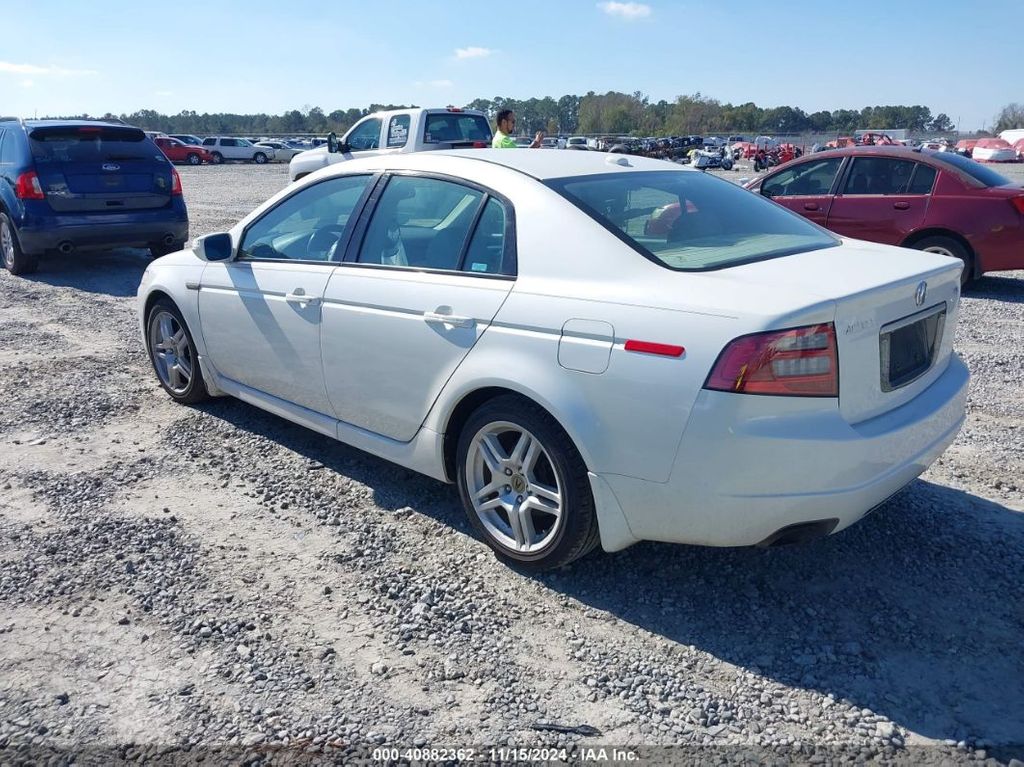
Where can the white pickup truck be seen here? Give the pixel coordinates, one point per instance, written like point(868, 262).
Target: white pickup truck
point(400, 130)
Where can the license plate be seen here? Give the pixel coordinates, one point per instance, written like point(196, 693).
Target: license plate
point(907, 346)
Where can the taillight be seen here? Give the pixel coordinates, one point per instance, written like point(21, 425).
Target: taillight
point(27, 187)
point(479, 145)
point(1018, 203)
point(801, 362)
point(175, 182)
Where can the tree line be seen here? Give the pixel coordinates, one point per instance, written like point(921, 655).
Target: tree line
point(612, 113)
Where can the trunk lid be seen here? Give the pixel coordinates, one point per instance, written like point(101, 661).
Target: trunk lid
point(87, 168)
point(874, 288)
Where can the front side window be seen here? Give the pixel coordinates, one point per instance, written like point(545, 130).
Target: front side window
point(878, 175)
point(812, 178)
point(308, 226)
point(398, 131)
point(366, 135)
point(691, 221)
point(420, 222)
point(209, 142)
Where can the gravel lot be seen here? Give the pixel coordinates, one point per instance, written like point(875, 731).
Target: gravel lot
point(176, 579)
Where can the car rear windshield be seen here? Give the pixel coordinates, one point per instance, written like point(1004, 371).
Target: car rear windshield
point(85, 143)
point(453, 127)
point(691, 221)
point(980, 173)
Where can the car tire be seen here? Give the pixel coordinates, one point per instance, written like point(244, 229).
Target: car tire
point(544, 517)
point(218, 158)
point(172, 352)
point(259, 158)
point(16, 261)
point(194, 159)
point(726, 164)
point(158, 249)
point(947, 246)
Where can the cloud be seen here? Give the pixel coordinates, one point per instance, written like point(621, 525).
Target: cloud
point(627, 11)
point(433, 84)
point(165, 93)
point(9, 67)
point(27, 83)
point(473, 52)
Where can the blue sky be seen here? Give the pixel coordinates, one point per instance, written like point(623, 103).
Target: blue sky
point(61, 57)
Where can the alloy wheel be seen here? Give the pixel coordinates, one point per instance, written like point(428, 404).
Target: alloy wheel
point(171, 351)
point(514, 488)
point(7, 244)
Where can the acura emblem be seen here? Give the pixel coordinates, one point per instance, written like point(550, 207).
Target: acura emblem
point(921, 293)
point(111, 166)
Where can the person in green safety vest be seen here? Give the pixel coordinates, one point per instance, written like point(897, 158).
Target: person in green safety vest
point(506, 127)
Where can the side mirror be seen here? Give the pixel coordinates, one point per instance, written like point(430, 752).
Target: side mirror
point(214, 247)
point(766, 191)
point(332, 143)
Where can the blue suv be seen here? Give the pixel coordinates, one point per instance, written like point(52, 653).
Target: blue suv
point(81, 185)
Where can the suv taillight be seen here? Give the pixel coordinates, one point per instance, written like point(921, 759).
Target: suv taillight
point(800, 362)
point(175, 182)
point(1018, 203)
point(27, 187)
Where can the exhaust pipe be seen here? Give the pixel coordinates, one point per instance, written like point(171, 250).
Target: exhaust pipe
point(66, 247)
point(168, 239)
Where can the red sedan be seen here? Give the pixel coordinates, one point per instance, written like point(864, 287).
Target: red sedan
point(939, 202)
point(178, 151)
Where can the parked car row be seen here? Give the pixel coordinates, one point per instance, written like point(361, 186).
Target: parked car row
point(186, 148)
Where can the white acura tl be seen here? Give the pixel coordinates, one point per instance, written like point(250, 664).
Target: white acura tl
point(595, 348)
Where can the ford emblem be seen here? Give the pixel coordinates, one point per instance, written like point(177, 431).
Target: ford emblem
point(111, 166)
point(921, 293)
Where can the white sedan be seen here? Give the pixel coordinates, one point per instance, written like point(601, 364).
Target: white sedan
point(508, 321)
point(282, 152)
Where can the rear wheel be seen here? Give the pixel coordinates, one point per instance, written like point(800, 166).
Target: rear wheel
point(173, 354)
point(194, 159)
point(15, 259)
point(218, 158)
point(259, 158)
point(947, 246)
point(157, 249)
point(524, 485)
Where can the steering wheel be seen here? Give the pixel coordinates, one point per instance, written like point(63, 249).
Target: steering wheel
point(323, 241)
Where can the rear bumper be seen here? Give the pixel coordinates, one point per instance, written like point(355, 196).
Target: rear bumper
point(42, 233)
point(742, 475)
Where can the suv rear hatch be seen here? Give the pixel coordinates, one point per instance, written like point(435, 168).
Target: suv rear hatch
point(93, 168)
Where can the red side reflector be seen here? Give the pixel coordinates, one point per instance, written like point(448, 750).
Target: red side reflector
point(27, 187)
point(646, 347)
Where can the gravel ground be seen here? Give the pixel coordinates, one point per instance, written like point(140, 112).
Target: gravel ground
point(175, 581)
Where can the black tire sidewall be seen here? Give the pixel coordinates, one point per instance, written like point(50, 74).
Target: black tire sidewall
point(577, 510)
point(22, 262)
point(196, 391)
point(953, 247)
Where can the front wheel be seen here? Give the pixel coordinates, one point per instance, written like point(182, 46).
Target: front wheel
point(726, 164)
point(524, 485)
point(947, 246)
point(15, 259)
point(194, 159)
point(259, 158)
point(173, 354)
point(218, 158)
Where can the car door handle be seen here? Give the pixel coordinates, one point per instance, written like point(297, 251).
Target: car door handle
point(449, 319)
point(810, 206)
point(901, 205)
point(301, 298)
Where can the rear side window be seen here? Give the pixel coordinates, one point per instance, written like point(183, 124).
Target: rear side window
point(7, 140)
point(810, 178)
point(88, 143)
point(879, 175)
point(980, 173)
point(398, 131)
point(487, 252)
point(922, 180)
point(690, 221)
point(447, 127)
